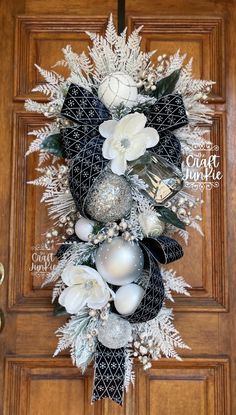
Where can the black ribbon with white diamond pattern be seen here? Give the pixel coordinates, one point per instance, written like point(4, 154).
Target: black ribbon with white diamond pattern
point(83, 147)
point(109, 369)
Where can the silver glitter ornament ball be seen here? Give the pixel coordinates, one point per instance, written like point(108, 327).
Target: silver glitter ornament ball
point(109, 199)
point(115, 333)
point(119, 262)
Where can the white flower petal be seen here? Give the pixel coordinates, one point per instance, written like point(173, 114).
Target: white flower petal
point(119, 165)
point(70, 276)
point(98, 301)
point(136, 150)
point(108, 150)
point(106, 129)
point(73, 299)
point(149, 135)
point(130, 125)
point(76, 274)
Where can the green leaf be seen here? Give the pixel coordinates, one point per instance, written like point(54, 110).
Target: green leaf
point(59, 310)
point(97, 228)
point(166, 85)
point(52, 144)
point(170, 217)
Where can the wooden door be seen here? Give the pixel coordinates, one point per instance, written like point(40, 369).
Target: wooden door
point(33, 382)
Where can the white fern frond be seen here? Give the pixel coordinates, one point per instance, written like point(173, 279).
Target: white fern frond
point(34, 106)
point(173, 283)
point(57, 289)
point(51, 77)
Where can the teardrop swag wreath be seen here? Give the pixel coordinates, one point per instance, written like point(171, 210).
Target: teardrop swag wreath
point(110, 160)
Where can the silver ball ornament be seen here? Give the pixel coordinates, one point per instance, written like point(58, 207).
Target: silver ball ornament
point(109, 199)
point(115, 333)
point(83, 228)
point(119, 262)
point(128, 298)
point(118, 88)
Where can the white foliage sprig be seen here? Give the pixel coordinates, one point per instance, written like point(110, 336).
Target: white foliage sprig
point(74, 336)
point(173, 283)
point(163, 333)
point(41, 134)
point(129, 372)
point(57, 289)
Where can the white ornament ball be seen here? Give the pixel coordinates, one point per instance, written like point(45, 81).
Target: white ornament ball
point(83, 228)
point(128, 298)
point(115, 333)
point(118, 88)
point(151, 224)
point(119, 262)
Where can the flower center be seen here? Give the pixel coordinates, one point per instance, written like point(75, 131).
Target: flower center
point(125, 143)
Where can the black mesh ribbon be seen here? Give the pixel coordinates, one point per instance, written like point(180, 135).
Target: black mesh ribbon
point(154, 294)
point(169, 148)
point(163, 248)
point(109, 369)
point(167, 114)
point(83, 107)
point(84, 169)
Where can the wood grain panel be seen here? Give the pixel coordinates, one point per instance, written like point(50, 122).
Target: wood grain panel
point(40, 386)
point(28, 221)
point(40, 40)
point(193, 387)
point(208, 277)
point(200, 37)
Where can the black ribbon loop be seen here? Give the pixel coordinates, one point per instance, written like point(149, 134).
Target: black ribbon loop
point(164, 249)
point(169, 148)
point(154, 295)
point(83, 107)
point(75, 138)
point(84, 169)
point(168, 113)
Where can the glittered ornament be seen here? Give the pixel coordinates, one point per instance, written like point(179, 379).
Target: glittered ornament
point(127, 299)
point(119, 262)
point(109, 199)
point(115, 333)
point(83, 228)
point(116, 89)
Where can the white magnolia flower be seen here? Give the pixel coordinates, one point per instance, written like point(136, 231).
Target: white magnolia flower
point(126, 140)
point(85, 287)
point(151, 224)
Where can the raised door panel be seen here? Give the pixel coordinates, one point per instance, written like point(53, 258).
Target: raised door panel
point(39, 386)
point(203, 39)
point(192, 387)
point(39, 40)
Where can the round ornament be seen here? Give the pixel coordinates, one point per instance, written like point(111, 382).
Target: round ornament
point(83, 228)
point(128, 298)
point(115, 333)
point(119, 262)
point(109, 199)
point(118, 88)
